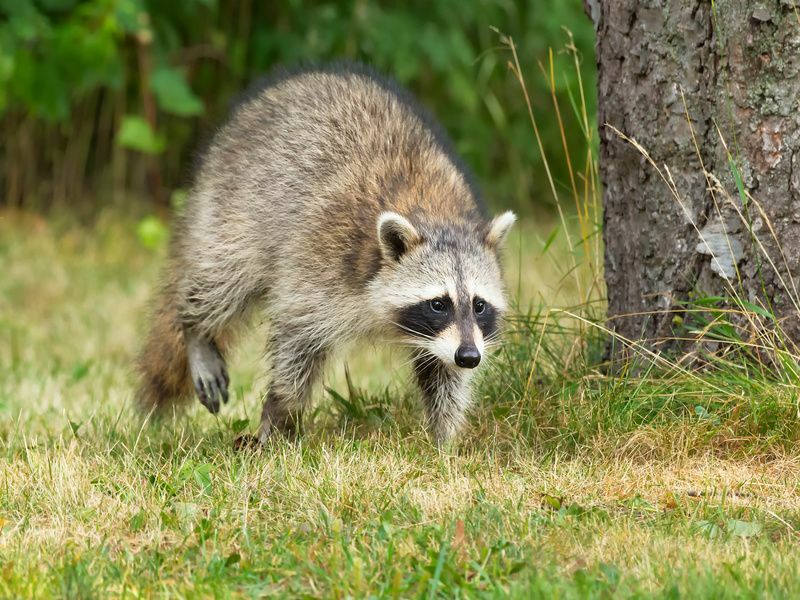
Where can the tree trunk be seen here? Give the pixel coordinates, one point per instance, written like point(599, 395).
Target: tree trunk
point(738, 68)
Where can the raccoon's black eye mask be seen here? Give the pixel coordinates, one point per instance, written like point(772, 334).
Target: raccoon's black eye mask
point(427, 318)
point(430, 317)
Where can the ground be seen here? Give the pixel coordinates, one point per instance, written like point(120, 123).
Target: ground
point(569, 481)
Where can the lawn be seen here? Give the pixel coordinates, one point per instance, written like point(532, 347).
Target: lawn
point(570, 480)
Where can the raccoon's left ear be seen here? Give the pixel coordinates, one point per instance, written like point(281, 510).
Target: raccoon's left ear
point(396, 235)
point(499, 228)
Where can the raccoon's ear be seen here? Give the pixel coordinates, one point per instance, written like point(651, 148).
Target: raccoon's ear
point(396, 235)
point(498, 229)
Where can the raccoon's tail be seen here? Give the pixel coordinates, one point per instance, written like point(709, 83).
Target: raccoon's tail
point(163, 367)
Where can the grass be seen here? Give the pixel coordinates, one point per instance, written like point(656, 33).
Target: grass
point(570, 481)
point(663, 475)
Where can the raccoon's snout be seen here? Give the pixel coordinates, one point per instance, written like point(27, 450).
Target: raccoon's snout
point(467, 356)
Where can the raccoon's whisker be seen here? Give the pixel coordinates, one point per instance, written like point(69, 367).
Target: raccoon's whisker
point(495, 344)
point(412, 332)
point(418, 348)
point(427, 361)
point(409, 330)
point(494, 341)
point(412, 359)
point(492, 337)
point(414, 344)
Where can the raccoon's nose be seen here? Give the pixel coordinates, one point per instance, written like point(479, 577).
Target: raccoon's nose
point(467, 356)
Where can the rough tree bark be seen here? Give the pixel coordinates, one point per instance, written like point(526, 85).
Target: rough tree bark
point(738, 67)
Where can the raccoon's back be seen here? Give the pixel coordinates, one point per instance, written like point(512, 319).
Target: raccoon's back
point(311, 135)
point(310, 159)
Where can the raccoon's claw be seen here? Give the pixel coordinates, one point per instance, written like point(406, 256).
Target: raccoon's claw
point(211, 389)
point(210, 377)
point(209, 393)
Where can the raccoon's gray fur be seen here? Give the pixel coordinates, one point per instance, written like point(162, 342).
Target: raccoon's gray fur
point(334, 202)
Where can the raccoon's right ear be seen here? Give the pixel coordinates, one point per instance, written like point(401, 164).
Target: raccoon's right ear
point(396, 236)
point(499, 228)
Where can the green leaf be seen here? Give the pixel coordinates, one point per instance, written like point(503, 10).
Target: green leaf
point(152, 233)
point(128, 15)
point(737, 177)
point(232, 559)
point(173, 93)
point(202, 475)
point(138, 521)
point(550, 239)
point(743, 529)
point(708, 301)
point(552, 502)
point(136, 134)
point(703, 413)
point(80, 370)
point(758, 310)
point(239, 425)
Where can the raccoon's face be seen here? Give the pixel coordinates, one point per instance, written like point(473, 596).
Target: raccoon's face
point(442, 287)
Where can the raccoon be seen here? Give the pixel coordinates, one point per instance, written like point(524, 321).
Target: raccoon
point(334, 203)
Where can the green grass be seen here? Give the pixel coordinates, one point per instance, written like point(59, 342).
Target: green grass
point(571, 480)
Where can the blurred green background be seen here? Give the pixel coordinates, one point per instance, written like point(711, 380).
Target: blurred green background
point(105, 102)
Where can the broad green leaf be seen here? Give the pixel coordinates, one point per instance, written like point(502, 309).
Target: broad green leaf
point(127, 13)
point(552, 502)
point(239, 425)
point(173, 93)
point(80, 370)
point(152, 233)
point(202, 476)
point(744, 529)
point(138, 521)
point(233, 558)
point(135, 133)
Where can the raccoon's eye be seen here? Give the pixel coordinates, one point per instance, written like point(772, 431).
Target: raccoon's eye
point(437, 306)
point(479, 306)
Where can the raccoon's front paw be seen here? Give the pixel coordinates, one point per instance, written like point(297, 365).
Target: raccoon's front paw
point(209, 376)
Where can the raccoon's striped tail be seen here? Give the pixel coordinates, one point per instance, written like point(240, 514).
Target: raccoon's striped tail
point(164, 381)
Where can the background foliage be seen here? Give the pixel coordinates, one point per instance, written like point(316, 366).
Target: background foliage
point(106, 101)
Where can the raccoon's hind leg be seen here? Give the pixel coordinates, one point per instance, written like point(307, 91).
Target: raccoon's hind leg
point(296, 365)
point(446, 394)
